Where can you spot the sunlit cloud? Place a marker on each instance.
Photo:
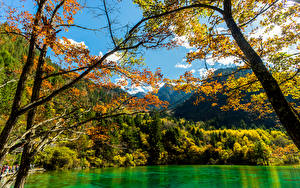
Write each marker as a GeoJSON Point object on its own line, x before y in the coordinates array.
{"type": "Point", "coordinates": [192, 71]}
{"type": "Point", "coordinates": [226, 61]}
{"type": "Point", "coordinates": [75, 43]}
{"type": "Point", "coordinates": [183, 41]}
{"type": "Point", "coordinates": [115, 57]}
{"type": "Point", "coordinates": [183, 65]}
{"type": "Point", "coordinates": [204, 72]}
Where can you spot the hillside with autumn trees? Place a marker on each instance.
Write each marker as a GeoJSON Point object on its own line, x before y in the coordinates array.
{"type": "Point", "coordinates": [146, 138]}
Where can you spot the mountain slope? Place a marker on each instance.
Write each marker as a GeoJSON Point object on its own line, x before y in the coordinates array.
{"type": "Point", "coordinates": [166, 93]}
{"type": "Point", "coordinates": [204, 111]}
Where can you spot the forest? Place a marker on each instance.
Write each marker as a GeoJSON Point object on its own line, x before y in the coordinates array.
{"type": "Point", "coordinates": [63, 107]}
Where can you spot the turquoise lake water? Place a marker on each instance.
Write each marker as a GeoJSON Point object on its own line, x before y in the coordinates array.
{"type": "Point", "coordinates": [177, 176]}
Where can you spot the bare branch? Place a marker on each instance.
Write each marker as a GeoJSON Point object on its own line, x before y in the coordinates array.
{"type": "Point", "coordinates": [64, 72]}
{"type": "Point", "coordinates": [34, 127]}
{"type": "Point", "coordinates": [10, 81]}
{"type": "Point", "coordinates": [56, 10]}
{"type": "Point", "coordinates": [109, 24]}
{"type": "Point", "coordinates": [81, 27]}
{"type": "Point", "coordinates": [132, 30]}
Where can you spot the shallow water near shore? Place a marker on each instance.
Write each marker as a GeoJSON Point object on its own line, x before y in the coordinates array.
{"type": "Point", "coordinates": [171, 176]}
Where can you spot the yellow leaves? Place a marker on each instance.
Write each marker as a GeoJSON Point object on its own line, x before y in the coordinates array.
{"type": "Point", "coordinates": [101, 108]}
{"type": "Point", "coordinates": [237, 147]}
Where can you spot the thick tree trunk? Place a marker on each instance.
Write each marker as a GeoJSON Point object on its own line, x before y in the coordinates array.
{"type": "Point", "coordinates": [27, 150]}
{"type": "Point", "coordinates": [24, 167]}
{"type": "Point", "coordinates": [287, 115]}
{"type": "Point", "coordinates": [14, 115]}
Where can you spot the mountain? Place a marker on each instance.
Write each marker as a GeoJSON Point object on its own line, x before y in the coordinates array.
{"type": "Point", "coordinates": [182, 106]}
{"type": "Point", "coordinates": [140, 94]}
{"type": "Point", "coordinates": [204, 111]}
{"type": "Point", "coordinates": [167, 93]}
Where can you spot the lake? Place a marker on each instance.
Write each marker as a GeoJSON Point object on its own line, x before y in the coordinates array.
{"type": "Point", "coordinates": [171, 176]}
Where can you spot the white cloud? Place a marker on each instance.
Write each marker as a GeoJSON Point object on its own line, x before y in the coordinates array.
{"type": "Point", "coordinates": [262, 33]}
{"type": "Point", "coordinates": [204, 72]}
{"type": "Point", "coordinates": [291, 49]}
{"type": "Point", "coordinates": [192, 71]}
{"type": "Point", "coordinates": [211, 61]}
{"type": "Point", "coordinates": [291, 3]}
{"type": "Point", "coordinates": [221, 30]}
{"type": "Point", "coordinates": [115, 57]}
{"type": "Point", "coordinates": [265, 35]}
{"type": "Point", "coordinates": [183, 41]}
{"type": "Point", "coordinates": [227, 60]}
{"type": "Point", "coordinates": [75, 43]}
{"type": "Point", "coordinates": [224, 61]}
{"type": "Point", "coordinates": [135, 90]}
{"type": "Point", "coordinates": [183, 65]}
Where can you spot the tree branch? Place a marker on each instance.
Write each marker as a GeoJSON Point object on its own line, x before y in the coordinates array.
{"type": "Point", "coordinates": [64, 72]}
{"type": "Point", "coordinates": [109, 24]}
{"type": "Point", "coordinates": [81, 27]}
{"type": "Point", "coordinates": [260, 12]}
{"type": "Point", "coordinates": [10, 81]}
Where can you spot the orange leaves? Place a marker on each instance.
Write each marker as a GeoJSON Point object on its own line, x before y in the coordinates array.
{"type": "Point", "coordinates": [76, 92]}
{"type": "Point", "coordinates": [48, 69]}
{"type": "Point", "coordinates": [214, 104]}
{"type": "Point", "coordinates": [98, 133]}
{"type": "Point", "coordinates": [47, 85]}
{"type": "Point", "coordinates": [280, 152]}
{"type": "Point", "coordinates": [147, 102]}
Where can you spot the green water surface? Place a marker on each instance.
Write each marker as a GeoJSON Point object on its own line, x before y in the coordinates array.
{"type": "Point", "coordinates": [171, 176]}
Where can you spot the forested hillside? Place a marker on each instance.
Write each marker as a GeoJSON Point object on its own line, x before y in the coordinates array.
{"type": "Point", "coordinates": [206, 111]}
{"type": "Point", "coordinates": [184, 105]}
{"type": "Point", "coordinates": [174, 98]}
{"type": "Point", "coordinates": [149, 139]}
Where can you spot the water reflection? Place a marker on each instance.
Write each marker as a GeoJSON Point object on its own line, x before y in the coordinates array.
{"type": "Point", "coordinates": [171, 176]}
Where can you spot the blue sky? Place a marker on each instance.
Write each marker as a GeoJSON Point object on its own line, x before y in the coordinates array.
{"type": "Point", "coordinates": [128, 13]}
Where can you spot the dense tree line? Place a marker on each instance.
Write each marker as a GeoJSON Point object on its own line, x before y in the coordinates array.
{"type": "Point", "coordinates": [152, 140]}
